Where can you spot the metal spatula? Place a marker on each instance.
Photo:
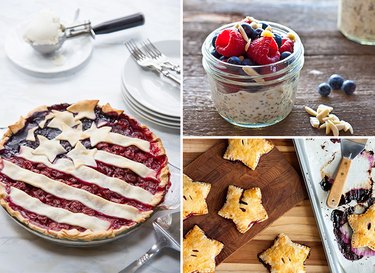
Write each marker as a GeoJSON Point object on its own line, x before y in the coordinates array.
{"type": "Point", "coordinates": [350, 148]}
{"type": "Point", "coordinates": [167, 230]}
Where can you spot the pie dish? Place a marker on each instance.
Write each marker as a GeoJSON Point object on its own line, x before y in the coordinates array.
{"type": "Point", "coordinates": [247, 150]}
{"type": "Point", "coordinates": [244, 207]}
{"type": "Point", "coordinates": [194, 197]}
{"type": "Point", "coordinates": [81, 171]}
{"type": "Point", "coordinates": [285, 256]}
{"type": "Point", "coordinates": [363, 228]}
{"type": "Point", "coordinates": [200, 252]}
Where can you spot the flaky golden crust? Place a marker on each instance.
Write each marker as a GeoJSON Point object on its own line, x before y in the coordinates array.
{"type": "Point", "coordinates": [74, 234]}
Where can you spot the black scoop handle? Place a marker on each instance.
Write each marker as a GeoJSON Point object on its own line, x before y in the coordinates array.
{"type": "Point", "coordinates": [122, 23]}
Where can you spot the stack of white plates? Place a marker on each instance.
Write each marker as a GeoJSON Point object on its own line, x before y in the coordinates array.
{"type": "Point", "coordinates": [150, 97]}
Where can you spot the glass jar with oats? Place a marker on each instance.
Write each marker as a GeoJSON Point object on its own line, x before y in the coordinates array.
{"type": "Point", "coordinates": [356, 20]}
{"type": "Point", "coordinates": [253, 70]}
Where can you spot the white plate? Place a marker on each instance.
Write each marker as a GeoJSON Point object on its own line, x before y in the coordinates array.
{"type": "Point", "coordinates": [145, 109]}
{"type": "Point", "coordinates": [148, 88]}
{"type": "Point", "coordinates": [73, 54]}
{"type": "Point", "coordinates": [148, 118]}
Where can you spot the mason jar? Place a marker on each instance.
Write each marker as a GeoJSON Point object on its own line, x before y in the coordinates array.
{"type": "Point", "coordinates": [254, 96]}
{"type": "Point", "coordinates": [356, 20]}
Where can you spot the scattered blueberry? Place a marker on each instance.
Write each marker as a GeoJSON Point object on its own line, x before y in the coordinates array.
{"type": "Point", "coordinates": [336, 81]}
{"type": "Point", "coordinates": [248, 29]}
{"type": "Point", "coordinates": [324, 89]}
{"type": "Point", "coordinates": [214, 41]}
{"type": "Point", "coordinates": [264, 25]}
{"type": "Point", "coordinates": [278, 39]}
{"type": "Point", "coordinates": [285, 55]}
{"type": "Point", "coordinates": [234, 60]}
{"type": "Point", "coordinates": [215, 54]}
{"type": "Point", "coordinates": [247, 62]}
{"type": "Point", "coordinates": [348, 87]}
{"type": "Point", "coordinates": [256, 33]}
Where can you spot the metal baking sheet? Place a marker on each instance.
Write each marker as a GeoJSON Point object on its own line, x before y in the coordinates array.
{"type": "Point", "coordinates": [320, 156]}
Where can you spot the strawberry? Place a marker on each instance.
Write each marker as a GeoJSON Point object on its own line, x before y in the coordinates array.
{"type": "Point", "coordinates": [264, 51]}
{"type": "Point", "coordinates": [230, 43]}
{"type": "Point", "coordinates": [286, 45]}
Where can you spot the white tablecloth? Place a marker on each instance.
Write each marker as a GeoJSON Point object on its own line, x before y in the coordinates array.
{"type": "Point", "coordinates": [19, 93]}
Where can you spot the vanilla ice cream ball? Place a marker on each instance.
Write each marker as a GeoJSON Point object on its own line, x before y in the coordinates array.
{"type": "Point", "coordinates": [44, 29]}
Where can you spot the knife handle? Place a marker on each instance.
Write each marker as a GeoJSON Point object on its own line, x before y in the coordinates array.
{"type": "Point", "coordinates": [334, 195]}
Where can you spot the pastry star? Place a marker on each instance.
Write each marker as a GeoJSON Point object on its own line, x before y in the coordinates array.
{"type": "Point", "coordinates": [195, 194]}
{"type": "Point", "coordinates": [200, 252]}
{"type": "Point", "coordinates": [244, 207]}
{"type": "Point", "coordinates": [49, 148]}
{"type": "Point", "coordinates": [247, 150]}
{"type": "Point", "coordinates": [84, 109]}
{"type": "Point", "coordinates": [62, 118]}
{"type": "Point", "coordinates": [363, 226]}
{"type": "Point", "coordinates": [30, 134]}
{"type": "Point", "coordinates": [69, 134]}
{"type": "Point", "coordinates": [285, 256]}
{"type": "Point", "coordinates": [97, 135]}
{"type": "Point", "coordinates": [82, 156]}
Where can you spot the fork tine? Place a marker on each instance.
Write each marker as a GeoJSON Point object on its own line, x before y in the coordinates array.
{"type": "Point", "coordinates": [130, 47]}
{"type": "Point", "coordinates": [156, 50]}
{"type": "Point", "coordinates": [149, 50]}
{"type": "Point", "coordinates": [139, 51]}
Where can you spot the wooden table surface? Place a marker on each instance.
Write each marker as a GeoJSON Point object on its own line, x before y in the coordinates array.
{"type": "Point", "coordinates": [327, 52]}
{"type": "Point", "coordinates": [298, 223]}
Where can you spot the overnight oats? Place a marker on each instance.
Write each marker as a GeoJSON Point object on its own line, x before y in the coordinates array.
{"type": "Point", "coordinates": [356, 20]}
{"type": "Point", "coordinates": [253, 69]}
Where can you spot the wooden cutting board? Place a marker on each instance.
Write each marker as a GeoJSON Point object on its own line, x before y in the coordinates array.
{"type": "Point", "coordinates": [282, 188]}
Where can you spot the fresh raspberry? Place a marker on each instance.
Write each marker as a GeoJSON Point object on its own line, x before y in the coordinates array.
{"type": "Point", "coordinates": [230, 43]}
{"type": "Point", "coordinates": [264, 51]}
{"type": "Point", "coordinates": [286, 45]}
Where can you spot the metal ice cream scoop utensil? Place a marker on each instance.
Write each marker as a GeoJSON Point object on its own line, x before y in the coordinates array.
{"type": "Point", "coordinates": [85, 28]}
{"type": "Point", "coordinates": [167, 230]}
{"type": "Point", "coordinates": [350, 148]}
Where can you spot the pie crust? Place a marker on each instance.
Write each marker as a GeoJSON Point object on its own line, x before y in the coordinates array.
{"type": "Point", "coordinates": [244, 207]}
{"type": "Point", "coordinates": [200, 252]}
{"type": "Point", "coordinates": [285, 256]}
{"type": "Point", "coordinates": [247, 150]}
{"type": "Point", "coordinates": [55, 180]}
{"type": "Point", "coordinates": [363, 226]}
{"type": "Point", "coordinates": [194, 197]}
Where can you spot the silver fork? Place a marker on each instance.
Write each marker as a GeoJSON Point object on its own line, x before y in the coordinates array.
{"type": "Point", "coordinates": [156, 54]}
{"type": "Point", "coordinates": [147, 62]}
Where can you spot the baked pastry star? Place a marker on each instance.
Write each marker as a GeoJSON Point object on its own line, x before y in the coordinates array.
{"type": "Point", "coordinates": [247, 150]}
{"type": "Point", "coordinates": [199, 252]}
{"type": "Point", "coordinates": [285, 256]}
{"type": "Point", "coordinates": [195, 194]}
{"type": "Point", "coordinates": [363, 226]}
{"type": "Point", "coordinates": [244, 207]}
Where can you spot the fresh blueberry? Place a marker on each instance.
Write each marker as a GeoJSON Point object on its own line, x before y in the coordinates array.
{"type": "Point", "coordinates": [324, 89]}
{"type": "Point", "coordinates": [215, 54]}
{"type": "Point", "coordinates": [336, 81]}
{"type": "Point", "coordinates": [264, 25]}
{"type": "Point", "coordinates": [348, 87]}
{"type": "Point", "coordinates": [285, 55]}
{"type": "Point", "coordinates": [214, 41]}
{"type": "Point", "coordinates": [278, 39]}
{"type": "Point", "coordinates": [247, 62]}
{"type": "Point", "coordinates": [248, 29]}
{"type": "Point", "coordinates": [223, 58]}
{"type": "Point", "coordinates": [234, 60]}
{"type": "Point", "coordinates": [256, 33]}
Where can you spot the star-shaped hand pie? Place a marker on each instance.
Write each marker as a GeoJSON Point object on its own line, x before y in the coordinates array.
{"type": "Point", "coordinates": [244, 207]}
{"type": "Point", "coordinates": [49, 148]}
{"type": "Point", "coordinates": [82, 156]}
{"type": "Point", "coordinates": [248, 150]}
{"type": "Point", "coordinates": [194, 194]}
{"type": "Point", "coordinates": [285, 256]}
{"type": "Point", "coordinates": [84, 109]}
{"type": "Point", "coordinates": [200, 252]}
{"type": "Point", "coordinates": [363, 226]}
